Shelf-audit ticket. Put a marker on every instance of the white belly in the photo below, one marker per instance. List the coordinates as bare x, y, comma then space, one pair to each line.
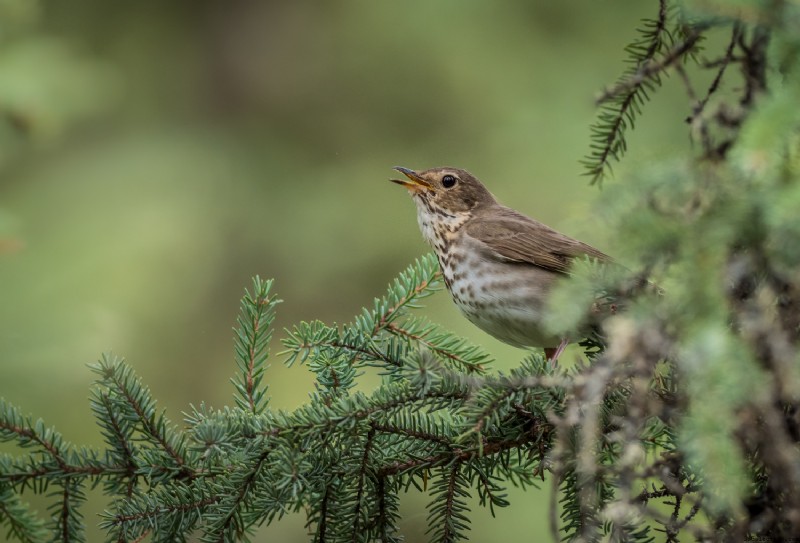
507, 301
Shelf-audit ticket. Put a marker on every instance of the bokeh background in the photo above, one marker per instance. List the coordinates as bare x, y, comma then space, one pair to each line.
155, 155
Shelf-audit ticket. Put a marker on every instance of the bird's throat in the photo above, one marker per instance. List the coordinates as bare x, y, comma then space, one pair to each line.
438, 226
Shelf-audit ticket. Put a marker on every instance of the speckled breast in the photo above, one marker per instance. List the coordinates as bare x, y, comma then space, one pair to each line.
505, 299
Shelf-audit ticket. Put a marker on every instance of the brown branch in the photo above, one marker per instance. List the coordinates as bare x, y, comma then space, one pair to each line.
71, 470
251, 352
394, 329
648, 70
362, 474
150, 428
159, 510
30, 434
723, 63
402, 302
243, 490
322, 529
411, 433
64, 515
462, 455
451, 495
130, 463
617, 89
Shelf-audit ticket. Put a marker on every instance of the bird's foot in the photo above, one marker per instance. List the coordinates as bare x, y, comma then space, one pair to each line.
552, 354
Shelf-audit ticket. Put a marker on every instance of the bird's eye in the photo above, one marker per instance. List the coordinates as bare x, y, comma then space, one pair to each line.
449, 181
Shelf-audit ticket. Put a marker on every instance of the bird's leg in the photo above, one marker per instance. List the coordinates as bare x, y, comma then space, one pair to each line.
553, 354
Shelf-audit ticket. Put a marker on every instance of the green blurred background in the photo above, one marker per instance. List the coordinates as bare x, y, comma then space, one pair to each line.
155, 155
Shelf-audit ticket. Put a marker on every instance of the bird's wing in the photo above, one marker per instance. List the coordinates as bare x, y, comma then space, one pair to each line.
511, 236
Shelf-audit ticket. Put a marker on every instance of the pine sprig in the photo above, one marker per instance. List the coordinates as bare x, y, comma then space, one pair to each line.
386, 336
22, 524
66, 518
364, 341
134, 402
662, 42
448, 517
315, 339
252, 345
171, 511
451, 349
418, 281
621, 106
28, 433
225, 518
118, 434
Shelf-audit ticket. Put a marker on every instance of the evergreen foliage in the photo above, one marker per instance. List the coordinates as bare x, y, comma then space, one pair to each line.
681, 421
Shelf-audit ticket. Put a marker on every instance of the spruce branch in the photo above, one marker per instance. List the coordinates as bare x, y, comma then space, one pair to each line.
66, 515
388, 513
224, 517
22, 524
623, 103
118, 434
362, 342
489, 488
651, 68
167, 510
27, 433
362, 476
251, 345
33, 471
448, 519
454, 350
663, 42
418, 281
316, 339
412, 432
135, 401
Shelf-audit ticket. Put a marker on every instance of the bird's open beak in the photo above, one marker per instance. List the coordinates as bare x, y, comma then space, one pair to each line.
415, 183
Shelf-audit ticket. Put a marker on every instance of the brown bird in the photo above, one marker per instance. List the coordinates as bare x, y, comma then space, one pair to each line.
498, 264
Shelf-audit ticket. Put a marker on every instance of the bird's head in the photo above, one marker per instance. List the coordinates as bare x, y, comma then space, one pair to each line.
450, 190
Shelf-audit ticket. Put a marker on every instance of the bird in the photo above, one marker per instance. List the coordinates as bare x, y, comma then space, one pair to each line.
499, 265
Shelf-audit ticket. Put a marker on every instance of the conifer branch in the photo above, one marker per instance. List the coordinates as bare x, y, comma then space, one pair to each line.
416, 434
22, 524
650, 69
384, 521
69, 526
117, 434
140, 515
420, 280
625, 99
447, 519
322, 525
252, 344
463, 454
362, 474
229, 522
120, 380
488, 491
456, 350
14, 426
650, 56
